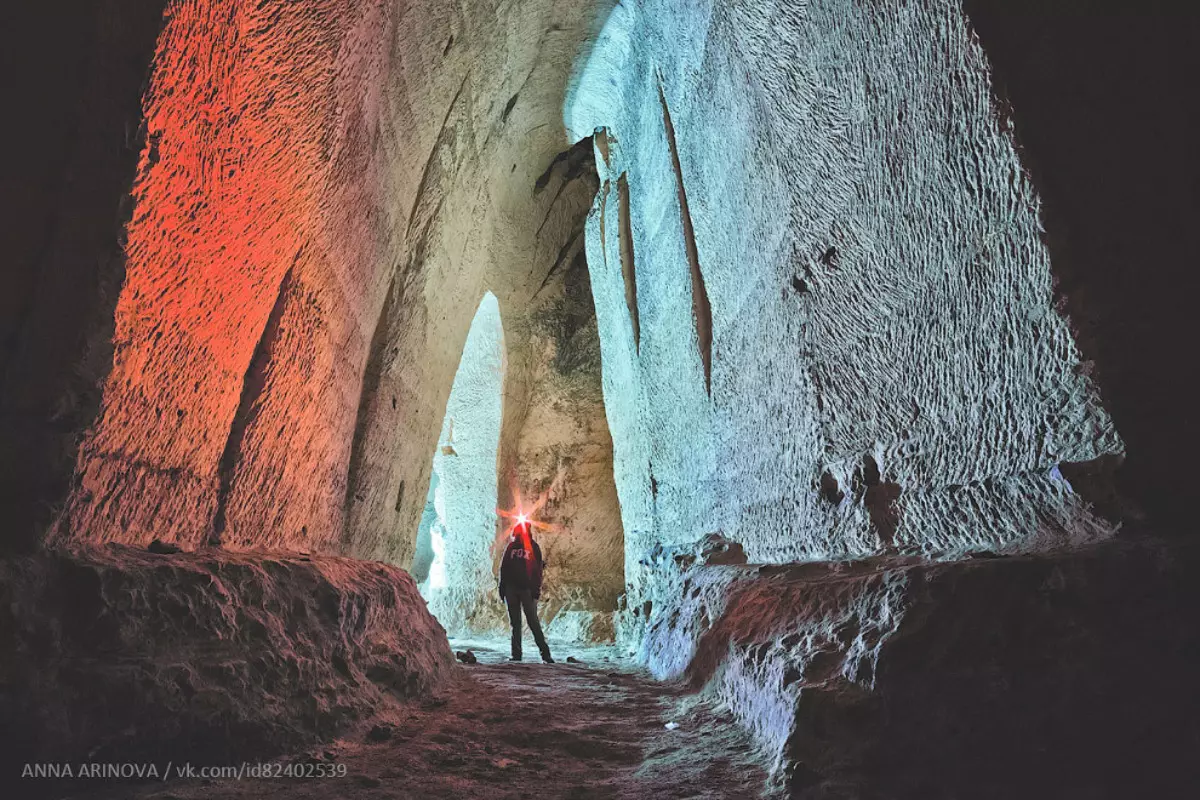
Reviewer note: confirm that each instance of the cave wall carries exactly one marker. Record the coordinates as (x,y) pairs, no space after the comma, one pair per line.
(120,653)
(829,321)
(496,209)
(321,203)
(321,194)
(561,460)
(255,250)
(319,200)
(846,337)
(1065,674)
(565,456)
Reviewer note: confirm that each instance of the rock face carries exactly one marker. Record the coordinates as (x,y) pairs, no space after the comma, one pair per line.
(235,191)
(775,269)
(557,466)
(338,190)
(460,587)
(117,654)
(825,305)
(322,198)
(1061,675)
(563,458)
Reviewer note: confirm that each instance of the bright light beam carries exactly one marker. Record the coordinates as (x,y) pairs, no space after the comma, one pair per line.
(521,516)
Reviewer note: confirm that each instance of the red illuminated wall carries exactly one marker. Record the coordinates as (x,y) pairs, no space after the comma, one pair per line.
(255,257)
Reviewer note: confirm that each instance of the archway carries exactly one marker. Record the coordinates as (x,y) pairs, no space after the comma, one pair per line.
(454,542)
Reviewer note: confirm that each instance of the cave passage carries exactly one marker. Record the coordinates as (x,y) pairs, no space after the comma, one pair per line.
(453,562)
(836,346)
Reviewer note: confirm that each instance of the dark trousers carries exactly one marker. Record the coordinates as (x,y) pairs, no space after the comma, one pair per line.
(518,599)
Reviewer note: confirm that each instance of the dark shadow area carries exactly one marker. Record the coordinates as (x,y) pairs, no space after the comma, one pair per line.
(1103,99)
(74,73)
(1055,676)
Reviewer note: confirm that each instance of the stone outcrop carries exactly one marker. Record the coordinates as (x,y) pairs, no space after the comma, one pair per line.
(562,458)
(118,654)
(1057,675)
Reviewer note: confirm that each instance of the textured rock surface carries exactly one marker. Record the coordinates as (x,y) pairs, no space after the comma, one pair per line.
(825,196)
(1065,675)
(556,453)
(121,655)
(831,326)
(342,181)
(562,459)
(325,193)
(1091,90)
(256,215)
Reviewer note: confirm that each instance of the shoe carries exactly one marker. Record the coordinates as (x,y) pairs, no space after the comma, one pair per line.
(546,658)
(514,658)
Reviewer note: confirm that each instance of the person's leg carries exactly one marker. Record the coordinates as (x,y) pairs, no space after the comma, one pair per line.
(535,627)
(513,598)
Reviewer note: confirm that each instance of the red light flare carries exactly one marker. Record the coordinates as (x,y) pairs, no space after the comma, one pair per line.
(520,514)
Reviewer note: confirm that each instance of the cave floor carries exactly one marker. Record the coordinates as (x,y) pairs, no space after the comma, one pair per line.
(595,729)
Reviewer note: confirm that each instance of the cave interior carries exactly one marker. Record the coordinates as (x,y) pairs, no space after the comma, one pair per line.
(839,351)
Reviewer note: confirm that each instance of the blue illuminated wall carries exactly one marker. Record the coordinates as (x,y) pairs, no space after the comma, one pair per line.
(887,368)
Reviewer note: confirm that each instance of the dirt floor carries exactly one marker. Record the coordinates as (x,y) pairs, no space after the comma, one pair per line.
(591,729)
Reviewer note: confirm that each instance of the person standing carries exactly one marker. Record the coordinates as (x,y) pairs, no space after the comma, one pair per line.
(521,586)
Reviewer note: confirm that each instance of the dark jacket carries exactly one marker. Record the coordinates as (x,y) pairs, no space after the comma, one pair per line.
(522,565)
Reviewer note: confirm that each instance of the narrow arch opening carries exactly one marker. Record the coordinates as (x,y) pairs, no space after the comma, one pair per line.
(453,562)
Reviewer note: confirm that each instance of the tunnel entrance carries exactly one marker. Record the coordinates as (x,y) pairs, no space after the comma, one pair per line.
(453,562)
